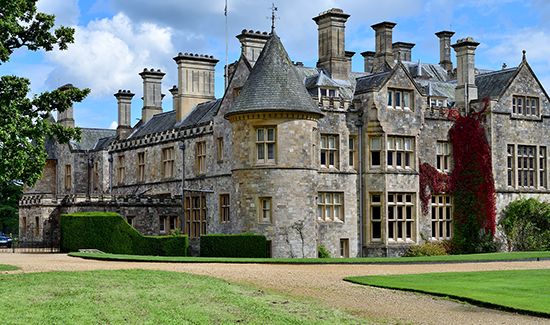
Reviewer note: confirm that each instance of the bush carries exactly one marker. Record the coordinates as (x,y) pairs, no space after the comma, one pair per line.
(239,245)
(110,233)
(526,224)
(322,252)
(428,249)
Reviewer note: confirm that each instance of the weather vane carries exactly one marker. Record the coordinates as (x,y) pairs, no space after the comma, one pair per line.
(273,17)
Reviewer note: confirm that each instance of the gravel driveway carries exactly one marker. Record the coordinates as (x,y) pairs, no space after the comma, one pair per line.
(322,283)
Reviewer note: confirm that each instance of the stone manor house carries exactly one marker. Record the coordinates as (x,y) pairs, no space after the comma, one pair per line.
(307,156)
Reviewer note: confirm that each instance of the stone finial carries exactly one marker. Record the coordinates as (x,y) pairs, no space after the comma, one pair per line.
(523,58)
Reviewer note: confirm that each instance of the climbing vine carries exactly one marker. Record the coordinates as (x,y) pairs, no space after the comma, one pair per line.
(471,182)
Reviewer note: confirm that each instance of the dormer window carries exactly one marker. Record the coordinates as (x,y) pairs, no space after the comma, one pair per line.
(326,92)
(525,106)
(399,99)
(437,102)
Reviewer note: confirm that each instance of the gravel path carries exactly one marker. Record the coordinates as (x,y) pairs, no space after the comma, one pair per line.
(322,283)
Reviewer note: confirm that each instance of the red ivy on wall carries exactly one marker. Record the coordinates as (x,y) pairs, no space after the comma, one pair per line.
(471,182)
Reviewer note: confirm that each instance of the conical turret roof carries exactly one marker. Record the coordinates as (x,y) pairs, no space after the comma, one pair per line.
(274,85)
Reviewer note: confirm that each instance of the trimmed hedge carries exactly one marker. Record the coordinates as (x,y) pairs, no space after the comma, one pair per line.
(110,233)
(240,245)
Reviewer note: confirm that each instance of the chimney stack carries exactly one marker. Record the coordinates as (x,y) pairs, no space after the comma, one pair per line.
(195,81)
(445,50)
(66,118)
(152,96)
(332,54)
(368,57)
(383,45)
(466,89)
(174,92)
(402,51)
(252,44)
(124,103)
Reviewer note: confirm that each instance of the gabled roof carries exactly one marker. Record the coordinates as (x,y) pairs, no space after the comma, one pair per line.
(89,137)
(426,70)
(372,81)
(493,84)
(434,88)
(158,123)
(202,113)
(320,80)
(273,85)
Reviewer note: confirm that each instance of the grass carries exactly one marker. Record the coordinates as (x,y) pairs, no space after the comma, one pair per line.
(526,291)
(5,267)
(366,260)
(150,297)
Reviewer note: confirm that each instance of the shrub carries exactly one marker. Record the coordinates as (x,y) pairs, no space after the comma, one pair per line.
(110,233)
(526,224)
(322,252)
(239,245)
(427,249)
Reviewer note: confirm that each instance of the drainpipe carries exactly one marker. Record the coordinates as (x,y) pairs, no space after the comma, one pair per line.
(182,147)
(90,164)
(359,125)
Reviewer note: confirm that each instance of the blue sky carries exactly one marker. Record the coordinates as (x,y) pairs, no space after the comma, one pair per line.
(116,39)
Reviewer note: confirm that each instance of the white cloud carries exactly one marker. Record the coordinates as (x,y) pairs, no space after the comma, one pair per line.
(108,54)
(66,11)
(113,125)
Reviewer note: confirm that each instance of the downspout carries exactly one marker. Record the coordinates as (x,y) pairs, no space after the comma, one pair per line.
(110,159)
(359,125)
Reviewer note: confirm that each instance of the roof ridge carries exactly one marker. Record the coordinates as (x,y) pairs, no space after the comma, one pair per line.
(498,71)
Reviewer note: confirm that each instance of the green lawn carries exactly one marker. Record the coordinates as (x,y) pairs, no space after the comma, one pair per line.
(524,291)
(366,260)
(5,267)
(150,297)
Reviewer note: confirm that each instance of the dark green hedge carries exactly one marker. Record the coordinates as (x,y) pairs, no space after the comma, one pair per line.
(241,245)
(110,233)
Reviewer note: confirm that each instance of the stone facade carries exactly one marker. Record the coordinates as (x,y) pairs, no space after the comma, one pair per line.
(339,167)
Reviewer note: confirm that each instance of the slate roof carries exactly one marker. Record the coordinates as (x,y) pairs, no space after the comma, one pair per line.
(89,137)
(202,113)
(50,145)
(103,143)
(371,81)
(493,84)
(427,71)
(438,88)
(158,123)
(346,88)
(274,85)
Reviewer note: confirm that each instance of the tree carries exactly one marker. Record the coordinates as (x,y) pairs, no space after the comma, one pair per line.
(9,199)
(526,223)
(25,122)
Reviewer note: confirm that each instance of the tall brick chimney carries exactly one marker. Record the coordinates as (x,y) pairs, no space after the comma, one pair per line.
(466,89)
(402,51)
(66,118)
(445,49)
(368,57)
(332,40)
(195,81)
(124,104)
(383,45)
(152,94)
(252,44)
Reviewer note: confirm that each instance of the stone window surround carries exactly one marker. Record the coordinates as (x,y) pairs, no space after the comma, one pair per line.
(195,215)
(141,167)
(330,152)
(352,151)
(443,156)
(121,169)
(167,224)
(219,149)
(265,145)
(265,209)
(400,227)
(335,207)
(399,98)
(344,247)
(539,170)
(327,92)
(524,99)
(397,155)
(375,151)
(376,205)
(68,177)
(441,217)
(381,153)
(168,162)
(200,157)
(225,206)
